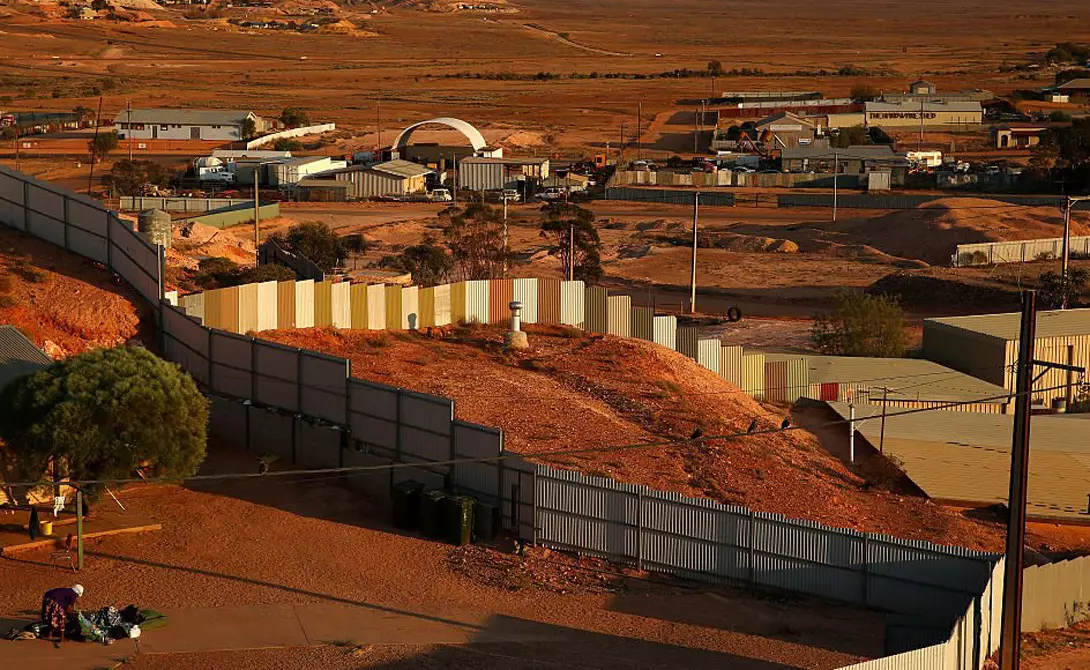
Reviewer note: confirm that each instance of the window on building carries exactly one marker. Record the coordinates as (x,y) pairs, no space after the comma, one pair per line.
(216,127)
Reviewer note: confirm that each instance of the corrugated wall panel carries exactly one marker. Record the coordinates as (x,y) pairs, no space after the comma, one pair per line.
(776,381)
(393,308)
(478,307)
(247,308)
(707,354)
(304,303)
(229,306)
(323,304)
(341,304)
(687,339)
(596,309)
(171,297)
(665,331)
(619,317)
(548,301)
(410,308)
(730,364)
(213,310)
(267,305)
(753,375)
(441,315)
(458,302)
(358,299)
(376,307)
(798,379)
(526,293)
(501,292)
(193,304)
(285,304)
(426,300)
(572,309)
(643,323)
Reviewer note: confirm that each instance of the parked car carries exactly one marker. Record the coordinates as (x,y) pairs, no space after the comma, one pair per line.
(510,195)
(440,195)
(551,193)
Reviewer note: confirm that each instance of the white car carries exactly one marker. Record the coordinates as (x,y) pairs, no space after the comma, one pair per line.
(440,195)
(551,193)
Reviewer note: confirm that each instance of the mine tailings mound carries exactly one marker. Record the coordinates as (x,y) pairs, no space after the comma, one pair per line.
(580,391)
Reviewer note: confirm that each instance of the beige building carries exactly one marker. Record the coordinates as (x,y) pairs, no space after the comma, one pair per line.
(911,114)
(390,179)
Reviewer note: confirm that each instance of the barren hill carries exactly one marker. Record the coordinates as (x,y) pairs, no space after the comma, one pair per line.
(576,391)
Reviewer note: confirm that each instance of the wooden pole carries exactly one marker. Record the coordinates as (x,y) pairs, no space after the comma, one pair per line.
(1068,203)
(692,264)
(94,147)
(79,529)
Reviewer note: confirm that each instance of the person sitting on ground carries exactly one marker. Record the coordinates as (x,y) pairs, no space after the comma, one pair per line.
(57,604)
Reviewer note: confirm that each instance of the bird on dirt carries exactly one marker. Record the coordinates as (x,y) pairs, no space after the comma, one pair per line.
(786,423)
(752,426)
(697,434)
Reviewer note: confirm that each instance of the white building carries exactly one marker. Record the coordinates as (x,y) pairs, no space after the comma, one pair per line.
(184,124)
(291,171)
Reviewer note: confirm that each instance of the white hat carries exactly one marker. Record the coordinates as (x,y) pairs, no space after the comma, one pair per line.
(78,588)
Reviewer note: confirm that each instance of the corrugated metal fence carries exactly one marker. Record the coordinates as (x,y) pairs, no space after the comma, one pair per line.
(130,203)
(669,197)
(989,253)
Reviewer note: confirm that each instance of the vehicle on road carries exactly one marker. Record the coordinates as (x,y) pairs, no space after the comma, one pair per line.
(440,195)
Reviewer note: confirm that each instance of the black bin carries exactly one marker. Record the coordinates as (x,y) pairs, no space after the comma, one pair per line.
(486,521)
(405,497)
(432,514)
(458,517)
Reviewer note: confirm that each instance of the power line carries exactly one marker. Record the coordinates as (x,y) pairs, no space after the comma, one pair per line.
(505,456)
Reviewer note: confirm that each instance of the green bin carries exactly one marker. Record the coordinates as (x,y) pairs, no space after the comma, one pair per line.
(458,515)
(405,497)
(431,514)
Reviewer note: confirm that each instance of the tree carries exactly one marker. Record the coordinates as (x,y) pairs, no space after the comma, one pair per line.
(315,241)
(102,144)
(83,113)
(287,144)
(862,325)
(429,263)
(293,117)
(1051,289)
(130,177)
(558,222)
(1065,152)
(216,272)
(864,92)
(267,272)
(850,137)
(474,236)
(102,414)
(247,128)
(715,68)
(878,136)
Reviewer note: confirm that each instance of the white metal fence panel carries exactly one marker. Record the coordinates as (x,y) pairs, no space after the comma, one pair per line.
(572,312)
(525,291)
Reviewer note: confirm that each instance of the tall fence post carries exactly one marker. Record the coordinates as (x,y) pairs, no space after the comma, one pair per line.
(639,529)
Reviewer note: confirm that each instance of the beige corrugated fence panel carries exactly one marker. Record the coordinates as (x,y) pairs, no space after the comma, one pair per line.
(376,307)
(458,302)
(526,293)
(341,304)
(171,297)
(501,293)
(426,298)
(753,375)
(643,319)
(410,308)
(285,304)
(687,339)
(665,331)
(304,303)
(596,309)
(572,309)
(707,354)
(1054,593)
(212,309)
(323,304)
(358,297)
(193,304)
(548,301)
(441,308)
(619,316)
(730,364)
(393,308)
(477,301)
(247,308)
(798,379)
(267,307)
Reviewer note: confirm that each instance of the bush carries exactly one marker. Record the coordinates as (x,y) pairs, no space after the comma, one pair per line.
(1051,289)
(216,272)
(862,325)
(130,177)
(427,262)
(102,144)
(315,241)
(287,144)
(293,117)
(968,258)
(102,414)
(269,272)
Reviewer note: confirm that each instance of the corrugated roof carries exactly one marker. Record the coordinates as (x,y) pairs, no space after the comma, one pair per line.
(400,168)
(18,356)
(907,378)
(199,117)
(1051,323)
(965,457)
(928,106)
(504,161)
(783,116)
(1075,84)
(324,183)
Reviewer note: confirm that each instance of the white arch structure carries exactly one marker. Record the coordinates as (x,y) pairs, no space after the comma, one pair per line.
(472,134)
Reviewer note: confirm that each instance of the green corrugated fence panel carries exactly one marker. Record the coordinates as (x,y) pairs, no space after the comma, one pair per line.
(707,354)
(643,320)
(441,314)
(753,375)
(730,364)
(619,317)
(665,331)
(526,293)
(376,307)
(687,339)
(285,304)
(341,304)
(572,309)
(267,307)
(323,304)
(304,303)
(596,309)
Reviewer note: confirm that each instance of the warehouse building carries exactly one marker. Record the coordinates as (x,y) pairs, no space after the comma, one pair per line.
(933,114)
(986,347)
(396,178)
(786,130)
(184,124)
(289,171)
(852,160)
(494,174)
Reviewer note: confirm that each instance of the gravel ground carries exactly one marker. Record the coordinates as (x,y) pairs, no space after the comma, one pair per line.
(258,542)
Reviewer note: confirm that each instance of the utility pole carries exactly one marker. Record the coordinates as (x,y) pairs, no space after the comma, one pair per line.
(836,172)
(620,148)
(692,264)
(257,212)
(919,144)
(1009,649)
(882,432)
(378,125)
(504,194)
(851,432)
(128,131)
(571,252)
(639,131)
(79,529)
(94,147)
(18,153)
(1069,204)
